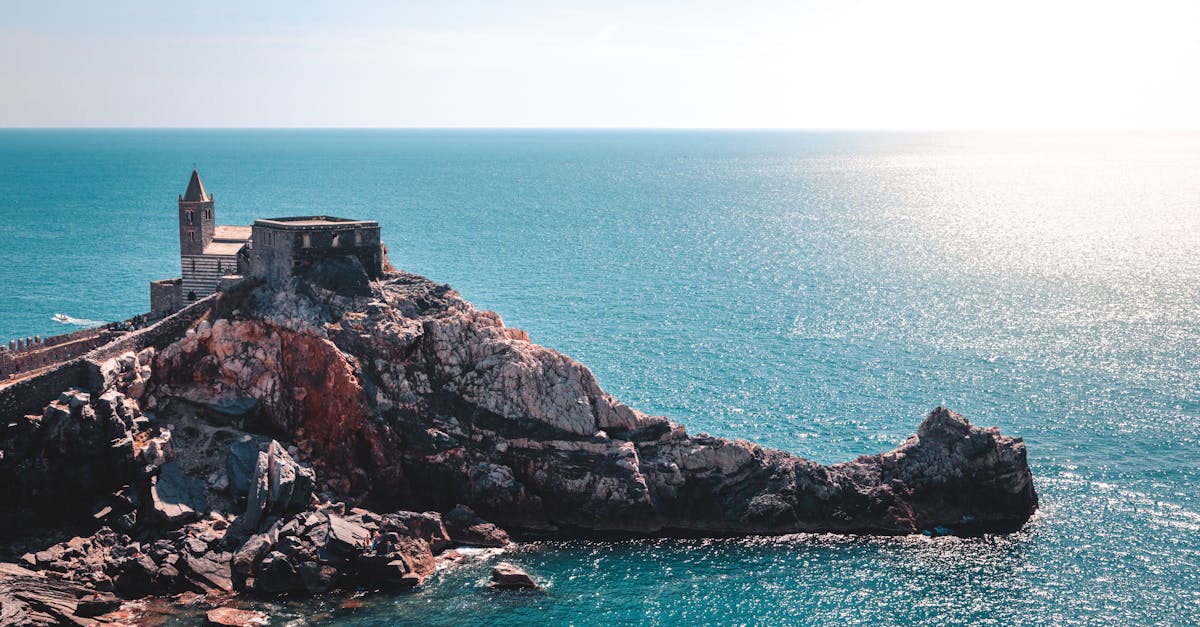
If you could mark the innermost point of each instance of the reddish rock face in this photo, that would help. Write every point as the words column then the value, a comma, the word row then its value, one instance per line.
column 295, row 382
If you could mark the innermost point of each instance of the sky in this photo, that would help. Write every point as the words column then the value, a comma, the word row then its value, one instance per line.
column 886, row 64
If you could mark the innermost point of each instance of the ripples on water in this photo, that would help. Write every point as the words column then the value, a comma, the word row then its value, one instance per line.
column 812, row 292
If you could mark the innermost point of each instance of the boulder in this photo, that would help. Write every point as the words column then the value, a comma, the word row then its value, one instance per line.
column 253, row 550
column 346, row 537
column 211, row 570
column 464, row 526
column 176, row 499
column 506, row 576
column 427, row 526
column 233, row 617
column 276, row 575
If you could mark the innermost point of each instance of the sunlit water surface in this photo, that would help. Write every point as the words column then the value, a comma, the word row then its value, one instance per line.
column 812, row 292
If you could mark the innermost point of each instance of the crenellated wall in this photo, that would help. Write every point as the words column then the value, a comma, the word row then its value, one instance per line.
column 29, row 395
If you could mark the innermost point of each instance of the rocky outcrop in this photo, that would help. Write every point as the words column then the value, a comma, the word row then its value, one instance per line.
column 441, row 405
column 464, row 526
column 30, row 598
column 257, row 449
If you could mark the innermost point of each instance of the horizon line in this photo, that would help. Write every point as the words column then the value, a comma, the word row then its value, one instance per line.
column 816, row 129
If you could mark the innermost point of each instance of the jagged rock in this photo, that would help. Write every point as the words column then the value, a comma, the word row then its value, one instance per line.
column 427, row 526
column 278, row 486
column 464, row 526
column 276, row 575
column 345, row 537
column 175, row 497
column 506, row 576
column 241, row 463
column 246, row 559
column 233, row 617
column 211, row 570
column 29, row 599
column 317, row 577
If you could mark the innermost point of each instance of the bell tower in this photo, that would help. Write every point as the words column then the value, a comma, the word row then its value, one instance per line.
column 196, row 220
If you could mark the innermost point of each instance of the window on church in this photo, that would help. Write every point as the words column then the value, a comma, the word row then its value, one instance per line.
column 306, row 240
column 189, row 217
column 335, row 243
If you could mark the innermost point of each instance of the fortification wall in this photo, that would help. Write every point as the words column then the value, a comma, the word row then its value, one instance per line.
column 43, row 352
column 43, row 355
column 31, row 394
column 158, row 334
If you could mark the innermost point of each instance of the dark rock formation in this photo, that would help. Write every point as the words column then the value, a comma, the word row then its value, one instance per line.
column 30, row 598
column 254, row 450
column 464, row 526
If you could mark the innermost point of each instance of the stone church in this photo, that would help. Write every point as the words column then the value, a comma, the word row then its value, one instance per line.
column 272, row 249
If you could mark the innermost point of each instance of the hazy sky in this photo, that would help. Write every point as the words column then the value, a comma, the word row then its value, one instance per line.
column 837, row 64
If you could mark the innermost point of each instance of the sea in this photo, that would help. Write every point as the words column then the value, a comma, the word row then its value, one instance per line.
column 816, row 292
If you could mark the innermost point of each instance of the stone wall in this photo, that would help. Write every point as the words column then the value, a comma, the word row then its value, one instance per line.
column 31, row 394
column 157, row 335
column 43, row 355
column 43, row 352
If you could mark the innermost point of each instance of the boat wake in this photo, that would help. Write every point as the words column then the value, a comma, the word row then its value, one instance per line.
column 78, row 322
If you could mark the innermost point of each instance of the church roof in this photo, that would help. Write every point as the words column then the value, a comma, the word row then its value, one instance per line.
column 231, row 233
column 195, row 190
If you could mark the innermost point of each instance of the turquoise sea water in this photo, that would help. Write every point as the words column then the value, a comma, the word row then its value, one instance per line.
column 814, row 292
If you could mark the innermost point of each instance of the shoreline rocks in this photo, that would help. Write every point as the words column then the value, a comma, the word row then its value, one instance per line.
column 262, row 449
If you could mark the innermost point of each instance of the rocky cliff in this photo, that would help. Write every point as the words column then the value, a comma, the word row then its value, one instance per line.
column 298, row 411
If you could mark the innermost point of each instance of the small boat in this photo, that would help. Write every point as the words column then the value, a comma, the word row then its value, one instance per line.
column 63, row 318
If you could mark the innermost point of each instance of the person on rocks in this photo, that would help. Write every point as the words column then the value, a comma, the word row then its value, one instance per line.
column 380, row 545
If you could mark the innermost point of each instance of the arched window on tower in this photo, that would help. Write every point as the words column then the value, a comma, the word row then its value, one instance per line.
column 189, row 216
column 335, row 242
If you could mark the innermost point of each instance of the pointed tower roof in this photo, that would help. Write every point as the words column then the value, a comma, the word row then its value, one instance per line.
column 195, row 190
